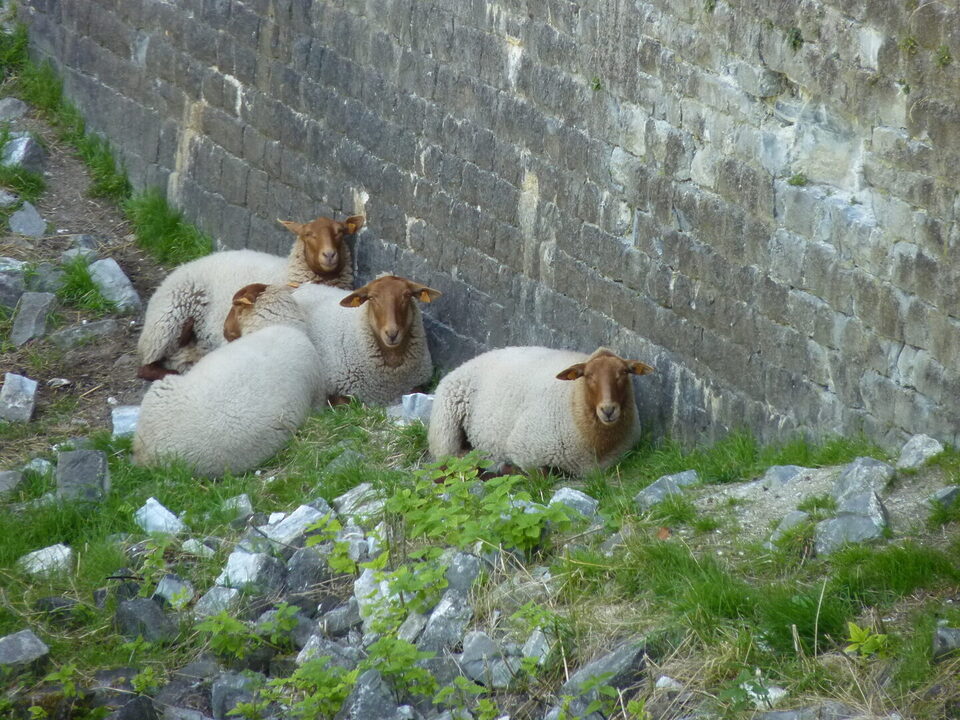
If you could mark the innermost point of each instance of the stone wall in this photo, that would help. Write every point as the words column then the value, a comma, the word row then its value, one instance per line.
column 758, row 197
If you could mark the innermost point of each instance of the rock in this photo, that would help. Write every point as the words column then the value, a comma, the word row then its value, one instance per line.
column 373, row 596
column 415, row 407
column 12, row 108
column 30, row 320
column 447, row 622
column 360, row 504
column 946, row 640
column 87, row 255
column 290, row 533
column 142, row 616
column 138, row 707
column 339, row 621
column 829, row 710
column 56, row 606
column 124, row 419
column 484, row 662
column 370, row 699
column 832, row 534
column 947, row 497
column 463, row 570
column 256, row 573
column 23, row 150
column 79, row 240
column 21, row 651
column 114, row 285
column 84, row 333
column 619, row 669
column 238, row 507
column 175, row 590
column 195, row 547
column 216, row 600
column 307, row 574
column 17, row 398
column 39, row 467
column 27, row 221
column 537, row 646
column 45, row 278
column 917, row 451
column 412, row 626
column 318, row 646
column 862, row 475
column 780, row 475
column 12, row 287
column 52, row 560
column 9, row 480
column 347, row 459
column 82, row 475
column 155, row 518
column 229, row 689
column 790, row 521
column 7, row 198
column 663, row 487
column 576, row 500
column 867, row 504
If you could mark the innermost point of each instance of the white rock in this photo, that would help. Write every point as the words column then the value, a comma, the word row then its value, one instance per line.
column 17, row 398
column 917, row 451
column 195, row 547
column 216, row 600
column 276, row 517
column 239, row 506
column 114, row 285
column 39, row 466
column 155, row 518
column 665, row 682
column 48, row 561
column 124, row 418
column 292, row 527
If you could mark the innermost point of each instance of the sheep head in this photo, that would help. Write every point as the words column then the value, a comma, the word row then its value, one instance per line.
column 323, row 241
column 392, row 309
column 607, row 386
column 243, row 300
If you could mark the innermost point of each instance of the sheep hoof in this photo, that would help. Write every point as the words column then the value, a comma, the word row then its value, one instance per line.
column 154, row 371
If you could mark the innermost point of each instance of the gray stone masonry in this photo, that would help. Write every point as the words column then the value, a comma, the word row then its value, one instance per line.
column 769, row 224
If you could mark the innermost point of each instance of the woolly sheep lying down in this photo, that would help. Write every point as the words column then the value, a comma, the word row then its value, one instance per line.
column 236, row 407
column 184, row 317
column 371, row 342
column 539, row 407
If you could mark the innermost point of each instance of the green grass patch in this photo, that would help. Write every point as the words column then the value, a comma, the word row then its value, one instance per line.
column 941, row 514
column 878, row 577
column 162, row 230
column 79, row 290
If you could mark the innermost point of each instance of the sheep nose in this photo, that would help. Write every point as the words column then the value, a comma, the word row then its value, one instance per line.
column 608, row 412
column 330, row 257
column 392, row 335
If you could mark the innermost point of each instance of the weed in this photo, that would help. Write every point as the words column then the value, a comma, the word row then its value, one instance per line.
column 163, row 231
column 228, row 637
column 798, row 180
column 943, row 56
column 864, row 642
column 909, row 45
column 397, row 660
column 317, row 689
column 943, row 514
column 79, row 290
column 674, row 510
column 596, row 84
column 795, row 38
column 28, row 185
column 818, row 506
column 709, row 5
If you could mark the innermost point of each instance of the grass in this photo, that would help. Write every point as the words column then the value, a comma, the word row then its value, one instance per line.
column 162, row 231
column 80, row 291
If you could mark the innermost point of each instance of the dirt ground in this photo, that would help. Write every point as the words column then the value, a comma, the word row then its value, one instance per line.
column 101, row 374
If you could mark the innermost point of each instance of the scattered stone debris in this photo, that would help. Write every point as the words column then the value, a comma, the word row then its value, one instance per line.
column 124, row 419
column 21, row 651
column 48, row 561
column 27, row 221
column 30, row 320
column 84, row 333
column 17, row 398
column 663, row 487
column 153, row 517
column 114, row 285
column 83, row 475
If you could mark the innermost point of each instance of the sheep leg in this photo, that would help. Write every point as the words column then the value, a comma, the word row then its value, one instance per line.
column 446, row 435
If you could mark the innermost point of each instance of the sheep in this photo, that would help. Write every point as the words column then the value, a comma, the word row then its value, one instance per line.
column 376, row 353
column 236, row 407
column 509, row 405
column 259, row 305
column 184, row 317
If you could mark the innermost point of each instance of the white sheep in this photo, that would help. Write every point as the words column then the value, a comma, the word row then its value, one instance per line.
column 184, row 317
column 376, row 353
column 236, row 407
column 539, row 407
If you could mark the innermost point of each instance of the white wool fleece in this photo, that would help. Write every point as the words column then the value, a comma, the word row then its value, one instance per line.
column 509, row 405
column 202, row 289
column 237, row 407
column 349, row 353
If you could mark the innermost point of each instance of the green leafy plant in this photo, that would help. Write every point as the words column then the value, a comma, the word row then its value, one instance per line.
column 147, row 681
column 909, row 45
column 943, row 56
column 798, row 180
column 864, row 642
column 317, row 689
column 709, row 5
column 325, row 530
column 229, row 637
column 596, row 84
column 795, row 38
column 278, row 627
column 397, row 660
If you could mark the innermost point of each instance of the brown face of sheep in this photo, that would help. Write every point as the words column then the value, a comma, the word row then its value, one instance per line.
column 391, row 310
column 323, row 240
column 607, row 383
column 243, row 301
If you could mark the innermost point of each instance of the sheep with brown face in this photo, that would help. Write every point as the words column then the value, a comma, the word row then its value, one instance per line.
column 371, row 342
column 184, row 317
column 539, row 407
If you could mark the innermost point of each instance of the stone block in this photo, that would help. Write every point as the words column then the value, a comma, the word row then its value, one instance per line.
column 17, row 398
column 83, row 475
column 114, row 285
column 52, row 560
column 446, row 624
column 30, row 320
column 27, row 221
column 663, row 487
column 12, row 287
column 124, row 420
column 582, row 503
column 12, row 108
column 21, row 651
column 144, row 617
column 25, row 151
column 153, row 517
column 257, row 573
column 216, row 600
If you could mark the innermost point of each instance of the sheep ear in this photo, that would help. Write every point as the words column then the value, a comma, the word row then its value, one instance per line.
column 355, row 299
column 423, row 293
column 638, row 368
column 353, row 223
column 243, row 301
column 294, row 227
column 573, row 372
